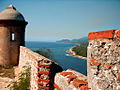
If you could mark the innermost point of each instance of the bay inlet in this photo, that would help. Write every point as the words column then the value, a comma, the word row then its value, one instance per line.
column 58, row 50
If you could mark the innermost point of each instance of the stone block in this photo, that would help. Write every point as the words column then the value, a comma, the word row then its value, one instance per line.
column 66, row 73
column 107, row 66
column 94, row 62
column 118, row 34
column 84, row 87
column 118, row 77
column 57, row 87
column 77, row 83
column 101, row 34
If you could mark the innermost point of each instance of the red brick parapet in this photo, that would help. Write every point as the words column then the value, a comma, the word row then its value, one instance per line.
column 71, row 79
column 109, row 34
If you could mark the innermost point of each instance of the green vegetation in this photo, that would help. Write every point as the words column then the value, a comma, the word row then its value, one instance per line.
column 81, row 50
column 44, row 52
column 6, row 67
column 23, row 82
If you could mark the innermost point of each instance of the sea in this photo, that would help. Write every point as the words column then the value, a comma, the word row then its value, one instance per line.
column 58, row 50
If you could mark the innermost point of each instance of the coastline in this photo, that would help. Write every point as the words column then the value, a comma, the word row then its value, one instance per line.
column 72, row 53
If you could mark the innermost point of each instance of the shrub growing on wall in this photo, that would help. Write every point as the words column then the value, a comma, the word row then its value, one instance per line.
column 23, row 81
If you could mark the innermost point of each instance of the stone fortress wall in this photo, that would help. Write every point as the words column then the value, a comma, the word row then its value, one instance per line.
column 47, row 75
column 104, row 60
column 42, row 69
column 103, row 64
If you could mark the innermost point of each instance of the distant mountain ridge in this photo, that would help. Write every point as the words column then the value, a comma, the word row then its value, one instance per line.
column 64, row 40
column 83, row 39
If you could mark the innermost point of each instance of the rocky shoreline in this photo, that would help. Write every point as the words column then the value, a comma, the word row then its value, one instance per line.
column 72, row 53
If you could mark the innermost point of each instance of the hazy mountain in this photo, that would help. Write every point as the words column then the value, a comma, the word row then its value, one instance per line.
column 64, row 40
column 80, row 40
column 83, row 39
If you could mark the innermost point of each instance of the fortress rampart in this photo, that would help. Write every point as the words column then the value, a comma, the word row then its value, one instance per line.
column 103, row 58
column 103, row 65
column 45, row 74
column 42, row 70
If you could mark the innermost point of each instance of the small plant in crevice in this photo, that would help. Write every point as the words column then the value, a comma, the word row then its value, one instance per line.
column 23, row 82
column 7, row 67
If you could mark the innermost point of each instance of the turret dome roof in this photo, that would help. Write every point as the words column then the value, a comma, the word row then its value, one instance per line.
column 10, row 13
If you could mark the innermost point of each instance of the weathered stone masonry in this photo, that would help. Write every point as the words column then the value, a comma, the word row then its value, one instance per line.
column 103, row 66
column 45, row 76
column 42, row 70
column 104, row 60
column 71, row 80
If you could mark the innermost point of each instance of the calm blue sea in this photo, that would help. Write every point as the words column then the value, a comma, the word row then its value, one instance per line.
column 59, row 55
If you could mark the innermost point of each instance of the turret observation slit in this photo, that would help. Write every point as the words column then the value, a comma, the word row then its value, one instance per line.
column 13, row 37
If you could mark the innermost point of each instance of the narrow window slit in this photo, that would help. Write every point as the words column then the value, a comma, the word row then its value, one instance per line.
column 13, row 36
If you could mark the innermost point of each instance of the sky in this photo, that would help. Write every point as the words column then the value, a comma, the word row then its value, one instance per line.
column 51, row 20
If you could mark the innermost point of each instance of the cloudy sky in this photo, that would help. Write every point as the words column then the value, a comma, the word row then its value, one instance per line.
column 51, row 20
